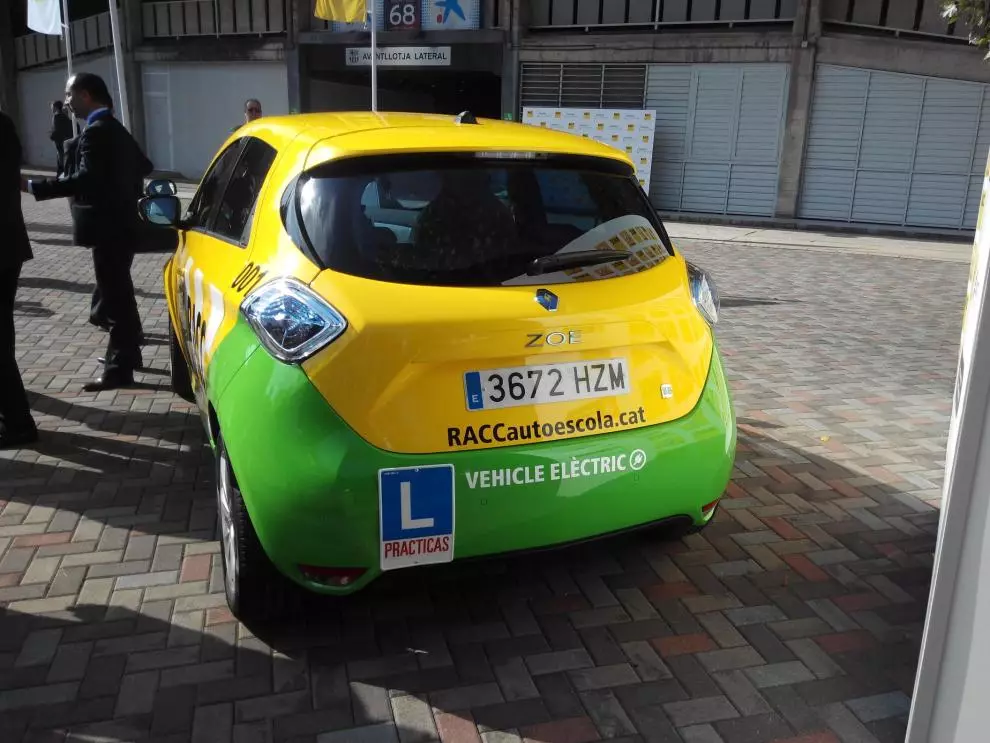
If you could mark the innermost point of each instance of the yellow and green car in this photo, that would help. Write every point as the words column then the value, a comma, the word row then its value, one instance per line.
column 421, row 338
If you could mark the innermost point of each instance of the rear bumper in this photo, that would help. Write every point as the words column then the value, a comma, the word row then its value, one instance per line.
column 311, row 485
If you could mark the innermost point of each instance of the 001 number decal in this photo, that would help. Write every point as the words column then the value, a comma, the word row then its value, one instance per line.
column 249, row 277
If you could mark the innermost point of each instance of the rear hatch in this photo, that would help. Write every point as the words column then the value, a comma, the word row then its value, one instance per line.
column 496, row 300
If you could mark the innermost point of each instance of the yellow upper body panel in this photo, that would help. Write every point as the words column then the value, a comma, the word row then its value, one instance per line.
column 400, row 373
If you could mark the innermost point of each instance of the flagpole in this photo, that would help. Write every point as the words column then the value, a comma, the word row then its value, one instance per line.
column 67, row 38
column 125, row 111
column 374, row 55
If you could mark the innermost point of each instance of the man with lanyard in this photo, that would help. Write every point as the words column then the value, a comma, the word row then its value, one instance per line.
column 104, row 181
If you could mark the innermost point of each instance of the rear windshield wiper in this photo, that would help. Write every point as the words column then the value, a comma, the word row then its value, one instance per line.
column 576, row 259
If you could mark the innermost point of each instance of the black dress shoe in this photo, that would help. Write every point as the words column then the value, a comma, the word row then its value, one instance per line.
column 12, row 438
column 109, row 382
column 139, row 365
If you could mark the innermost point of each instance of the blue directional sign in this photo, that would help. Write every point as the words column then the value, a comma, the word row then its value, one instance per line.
column 416, row 515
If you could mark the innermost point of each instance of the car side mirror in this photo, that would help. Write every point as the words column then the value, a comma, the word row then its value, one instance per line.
column 161, row 187
column 161, row 210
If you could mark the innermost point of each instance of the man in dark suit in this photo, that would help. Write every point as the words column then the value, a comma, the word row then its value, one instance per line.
column 60, row 132
column 17, row 426
column 104, row 181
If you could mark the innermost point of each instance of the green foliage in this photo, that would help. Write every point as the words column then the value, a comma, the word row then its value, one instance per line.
column 976, row 15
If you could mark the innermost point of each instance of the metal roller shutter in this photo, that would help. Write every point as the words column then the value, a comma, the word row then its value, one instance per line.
column 582, row 85
column 719, row 129
column 890, row 148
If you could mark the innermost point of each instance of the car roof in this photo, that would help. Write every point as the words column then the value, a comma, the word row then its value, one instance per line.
column 340, row 134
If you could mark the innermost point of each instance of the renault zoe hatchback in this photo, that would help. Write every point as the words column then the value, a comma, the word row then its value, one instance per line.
column 418, row 338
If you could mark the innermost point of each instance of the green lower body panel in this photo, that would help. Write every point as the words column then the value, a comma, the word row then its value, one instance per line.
column 320, row 495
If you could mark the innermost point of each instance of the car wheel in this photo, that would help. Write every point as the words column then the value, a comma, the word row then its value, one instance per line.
column 255, row 590
column 179, row 370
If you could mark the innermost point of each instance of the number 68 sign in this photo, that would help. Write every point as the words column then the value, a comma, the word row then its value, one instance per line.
column 402, row 15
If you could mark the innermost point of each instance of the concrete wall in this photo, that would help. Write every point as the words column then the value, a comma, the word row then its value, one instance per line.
column 191, row 107
column 37, row 88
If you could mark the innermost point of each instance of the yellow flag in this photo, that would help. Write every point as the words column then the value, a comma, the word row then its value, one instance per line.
column 345, row 11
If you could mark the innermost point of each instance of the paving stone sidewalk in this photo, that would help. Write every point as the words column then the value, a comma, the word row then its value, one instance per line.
column 795, row 617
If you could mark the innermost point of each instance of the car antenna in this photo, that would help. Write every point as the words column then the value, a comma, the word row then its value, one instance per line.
column 466, row 117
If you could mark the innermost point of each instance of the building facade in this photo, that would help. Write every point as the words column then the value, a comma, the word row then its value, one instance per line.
column 864, row 113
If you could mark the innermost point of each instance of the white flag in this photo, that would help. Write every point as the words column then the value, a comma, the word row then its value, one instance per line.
column 45, row 17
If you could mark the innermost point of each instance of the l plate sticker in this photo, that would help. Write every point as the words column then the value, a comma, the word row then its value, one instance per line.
column 416, row 515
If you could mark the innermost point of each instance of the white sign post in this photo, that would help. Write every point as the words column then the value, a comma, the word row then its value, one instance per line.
column 118, row 60
column 949, row 701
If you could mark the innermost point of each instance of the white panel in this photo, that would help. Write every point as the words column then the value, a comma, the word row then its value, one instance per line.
column 837, row 117
column 937, row 200
column 715, row 101
column 665, row 185
column 827, row 194
column 982, row 149
column 158, row 116
column 711, row 117
column 760, row 115
column 705, row 185
column 669, row 93
column 892, row 113
column 950, row 116
column 216, row 91
column 973, row 201
column 880, row 197
column 889, row 148
column 752, row 189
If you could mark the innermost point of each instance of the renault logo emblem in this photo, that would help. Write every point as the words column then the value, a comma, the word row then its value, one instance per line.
column 547, row 299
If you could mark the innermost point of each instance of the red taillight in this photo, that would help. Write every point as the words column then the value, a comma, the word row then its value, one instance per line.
column 709, row 506
column 331, row 576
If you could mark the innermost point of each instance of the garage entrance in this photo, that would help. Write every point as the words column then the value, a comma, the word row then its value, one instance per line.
column 419, row 91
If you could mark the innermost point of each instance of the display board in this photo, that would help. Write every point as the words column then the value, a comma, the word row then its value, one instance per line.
column 630, row 130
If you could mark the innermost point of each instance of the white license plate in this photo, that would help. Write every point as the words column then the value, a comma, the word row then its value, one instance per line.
column 543, row 383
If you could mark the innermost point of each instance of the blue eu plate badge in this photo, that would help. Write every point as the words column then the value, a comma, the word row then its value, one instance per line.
column 416, row 515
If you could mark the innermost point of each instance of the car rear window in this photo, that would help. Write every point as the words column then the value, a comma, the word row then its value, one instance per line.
column 476, row 220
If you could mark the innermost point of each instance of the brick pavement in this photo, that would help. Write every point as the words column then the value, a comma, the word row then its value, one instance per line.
column 795, row 617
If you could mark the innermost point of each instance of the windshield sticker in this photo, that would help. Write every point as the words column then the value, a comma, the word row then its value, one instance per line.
column 631, row 234
column 569, row 469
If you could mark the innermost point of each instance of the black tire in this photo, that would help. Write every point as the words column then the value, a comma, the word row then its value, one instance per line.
column 256, row 592
column 179, row 370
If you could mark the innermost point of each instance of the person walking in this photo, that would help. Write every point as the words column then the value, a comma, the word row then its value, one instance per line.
column 61, row 130
column 17, row 426
column 104, row 182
